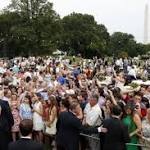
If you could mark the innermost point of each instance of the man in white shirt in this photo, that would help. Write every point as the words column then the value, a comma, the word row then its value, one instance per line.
column 93, row 118
column 132, row 72
column 119, row 63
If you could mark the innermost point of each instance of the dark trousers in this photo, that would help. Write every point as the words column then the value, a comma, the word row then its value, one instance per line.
column 4, row 140
column 60, row 147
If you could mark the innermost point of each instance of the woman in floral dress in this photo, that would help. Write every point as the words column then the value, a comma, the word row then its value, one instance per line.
column 15, row 113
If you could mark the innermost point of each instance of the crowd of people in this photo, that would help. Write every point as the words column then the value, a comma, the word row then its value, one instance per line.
column 64, row 98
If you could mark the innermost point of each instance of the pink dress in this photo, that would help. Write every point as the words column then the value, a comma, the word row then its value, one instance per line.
column 16, row 117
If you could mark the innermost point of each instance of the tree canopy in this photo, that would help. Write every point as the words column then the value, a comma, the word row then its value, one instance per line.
column 31, row 27
column 81, row 34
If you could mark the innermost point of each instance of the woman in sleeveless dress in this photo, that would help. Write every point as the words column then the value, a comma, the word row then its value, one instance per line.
column 133, row 122
column 52, row 118
column 15, row 112
column 38, row 124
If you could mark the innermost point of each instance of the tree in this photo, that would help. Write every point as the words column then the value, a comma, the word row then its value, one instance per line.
column 32, row 27
column 36, row 30
column 83, row 35
column 122, row 42
column 145, row 48
column 123, row 54
column 32, row 8
column 7, row 22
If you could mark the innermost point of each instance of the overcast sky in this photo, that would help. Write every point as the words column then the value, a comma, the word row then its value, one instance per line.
column 116, row 15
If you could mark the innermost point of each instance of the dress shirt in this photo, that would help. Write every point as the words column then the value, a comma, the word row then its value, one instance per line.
column 93, row 115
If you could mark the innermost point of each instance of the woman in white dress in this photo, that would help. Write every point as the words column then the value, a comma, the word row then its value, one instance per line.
column 38, row 124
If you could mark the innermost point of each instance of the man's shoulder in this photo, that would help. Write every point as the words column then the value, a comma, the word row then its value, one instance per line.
column 37, row 145
column 24, row 143
column 111, row 119
column 68, row 116
column 4, row 103
column 64, row 113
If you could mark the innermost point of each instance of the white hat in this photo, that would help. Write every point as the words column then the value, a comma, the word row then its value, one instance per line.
column 129, row 89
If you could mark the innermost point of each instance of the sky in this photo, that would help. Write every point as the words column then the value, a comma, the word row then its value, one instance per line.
column 117, row 15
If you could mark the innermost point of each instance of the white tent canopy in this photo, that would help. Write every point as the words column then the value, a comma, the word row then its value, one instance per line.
column 58, row 52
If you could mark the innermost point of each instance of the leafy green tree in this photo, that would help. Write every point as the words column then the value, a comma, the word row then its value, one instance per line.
column 82, row 34
column 36, row 28
column 122, row 42
column 32, row 27
column 123, row 54
column 8, row 21
column 145, row 48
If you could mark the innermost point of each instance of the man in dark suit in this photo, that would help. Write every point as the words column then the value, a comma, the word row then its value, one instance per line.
column 6, row 122
column 25, row 143
column 117, row 134
column 69, row 128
